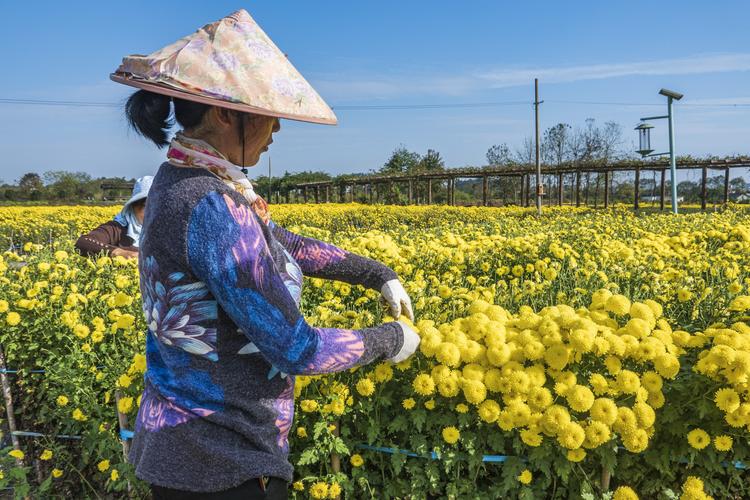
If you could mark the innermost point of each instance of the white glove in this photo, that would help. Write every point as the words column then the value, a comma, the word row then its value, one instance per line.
column 394, row 293
column 411, row 343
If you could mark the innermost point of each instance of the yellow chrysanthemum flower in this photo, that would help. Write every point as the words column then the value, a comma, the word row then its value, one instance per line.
column 525, row 477
column 727, row 400
column 723, row 443
column 451, row 435
column 423, row 384
column 698, row 439
column 580, row 398
column 624, row 493
column 334, row 490
column 571, row 436
column 356, row 460
column 319, row 490
column 365, row 387
column 576, row 455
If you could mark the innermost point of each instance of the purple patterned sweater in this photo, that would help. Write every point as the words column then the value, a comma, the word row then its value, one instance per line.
column 225, row 335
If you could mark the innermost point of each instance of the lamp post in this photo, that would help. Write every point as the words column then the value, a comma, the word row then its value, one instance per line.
column 644, row 139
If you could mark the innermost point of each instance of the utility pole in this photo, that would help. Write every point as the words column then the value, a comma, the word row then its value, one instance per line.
column 269, row 178
column 539, row 187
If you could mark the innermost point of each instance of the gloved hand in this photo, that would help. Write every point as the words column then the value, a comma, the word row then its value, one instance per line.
column 411, row 343
column 396, row 297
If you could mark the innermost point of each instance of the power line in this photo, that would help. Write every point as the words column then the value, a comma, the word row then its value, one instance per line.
column 387, row 107
column 42, row 102
column 690, row 104
column 430, row 106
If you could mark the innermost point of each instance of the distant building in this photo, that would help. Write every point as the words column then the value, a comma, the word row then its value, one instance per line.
column 680, row 199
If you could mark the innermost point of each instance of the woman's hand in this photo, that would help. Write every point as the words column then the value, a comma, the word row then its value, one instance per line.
column 128, row 254
column 411, row 343
column 397, row 298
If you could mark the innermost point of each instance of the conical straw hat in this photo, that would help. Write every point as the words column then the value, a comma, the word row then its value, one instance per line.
column 230, row 63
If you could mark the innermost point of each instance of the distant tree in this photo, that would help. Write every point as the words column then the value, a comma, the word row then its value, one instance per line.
column 500, row 155
column 715, row 188
column 738, row 186
column 611, row 141
column 689, row 191
column 30, row 182
column 557, row 144
column 64, row 185
column 599, row 144
column 430, row 162
column 401, row 160
column 525, row 154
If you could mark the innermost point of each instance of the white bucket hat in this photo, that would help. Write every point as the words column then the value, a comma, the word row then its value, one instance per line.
column 140, row 190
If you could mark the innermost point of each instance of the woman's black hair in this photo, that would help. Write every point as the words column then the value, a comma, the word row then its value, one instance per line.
column 149, row 114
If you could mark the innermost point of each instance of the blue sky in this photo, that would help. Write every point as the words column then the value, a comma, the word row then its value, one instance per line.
column 388, row 52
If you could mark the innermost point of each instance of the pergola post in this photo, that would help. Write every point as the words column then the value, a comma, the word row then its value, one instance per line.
column 704, row 178
column 606, row 188
column 663, row 191
column 304, row 194
column 521, row 199
column 485, row 190
column 411, row 191
column 578, row 188
column 637, row 189
column 327, row 192
column 560, row 189
column 317, row 194
column 429, row 191
column 726, row 186
column 451, row 187
column 528, row 190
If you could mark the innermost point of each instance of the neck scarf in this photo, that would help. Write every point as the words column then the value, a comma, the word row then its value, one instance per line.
column 128, row 219
column 188, row 152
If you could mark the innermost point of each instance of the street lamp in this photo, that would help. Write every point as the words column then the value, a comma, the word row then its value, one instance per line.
column 644, row 139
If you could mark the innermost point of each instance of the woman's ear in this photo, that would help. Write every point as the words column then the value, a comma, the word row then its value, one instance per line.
column 223, row 117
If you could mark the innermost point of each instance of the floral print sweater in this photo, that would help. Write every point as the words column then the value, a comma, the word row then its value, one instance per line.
column 225, row 339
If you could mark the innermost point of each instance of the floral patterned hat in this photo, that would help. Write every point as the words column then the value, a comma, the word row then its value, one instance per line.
column 230, row 63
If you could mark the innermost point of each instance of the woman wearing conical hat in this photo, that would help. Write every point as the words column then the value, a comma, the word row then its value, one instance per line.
column 220, row 282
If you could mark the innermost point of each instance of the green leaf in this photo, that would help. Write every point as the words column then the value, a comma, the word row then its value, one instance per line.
column 418, row 418
column 309, row 456
column 397, row 462
column 398, row 424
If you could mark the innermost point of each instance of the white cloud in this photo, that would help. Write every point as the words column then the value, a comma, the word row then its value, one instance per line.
column 369, row 87
column 691, row 65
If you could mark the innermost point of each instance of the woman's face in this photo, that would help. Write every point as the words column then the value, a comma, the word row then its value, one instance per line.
column 259, row 132
column 139, row 208
column 222, row 129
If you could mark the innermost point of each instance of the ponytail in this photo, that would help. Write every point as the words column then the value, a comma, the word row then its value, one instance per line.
column 148, row 114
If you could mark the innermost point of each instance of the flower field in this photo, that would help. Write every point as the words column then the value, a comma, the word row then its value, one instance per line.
column 582, row 354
